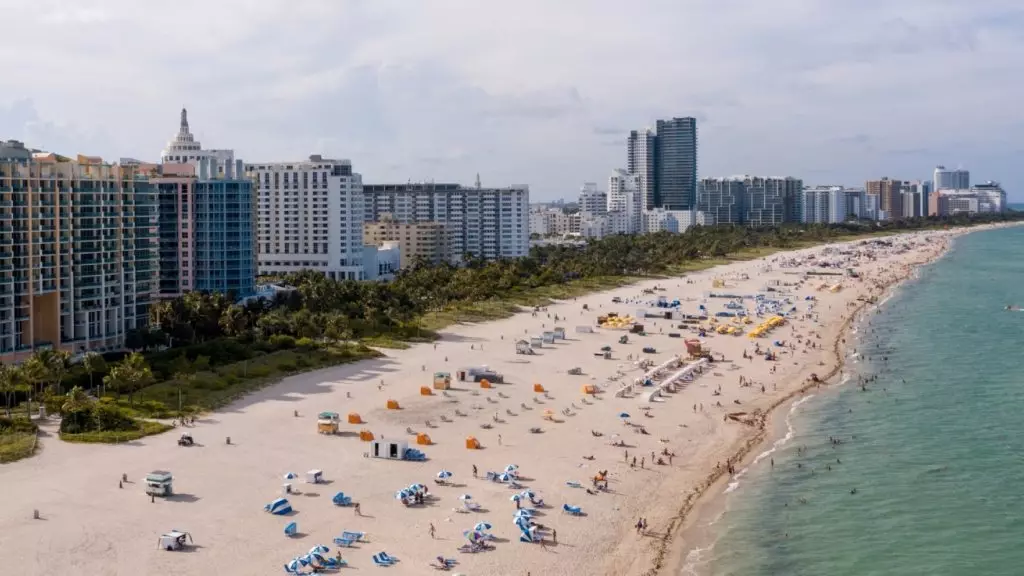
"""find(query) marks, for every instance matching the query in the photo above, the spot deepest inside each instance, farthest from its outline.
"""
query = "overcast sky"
(538, 92)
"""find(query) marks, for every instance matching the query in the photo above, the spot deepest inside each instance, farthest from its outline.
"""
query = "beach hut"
(538, 388)
(588, 389)
(472, 443)
(442, 380)
(536, 342)
(392, 404)
(174, 540)
(426, 391)
(159, 483)
(314, 476)
(423, 440)
(388, 449)
(584, 330)
(366, 436)
(354, 418)
(523, 347)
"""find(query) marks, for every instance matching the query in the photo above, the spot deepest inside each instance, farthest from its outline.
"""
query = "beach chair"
(492, 476)
(343, 542)
(353, 536)
(332, 563)
(574, 510)
(291, 529)
(379, 561)
(389, 559)
(539, 502)
(340, 499)
(573, 484)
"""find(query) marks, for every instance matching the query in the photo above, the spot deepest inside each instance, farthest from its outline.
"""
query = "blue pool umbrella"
(482, 526)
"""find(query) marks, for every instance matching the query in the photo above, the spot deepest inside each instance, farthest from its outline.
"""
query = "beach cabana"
(472, 443)
(392, 404)
(314, 476)
(559, 333)
(327, 422)
(366, 436)
(423, 440)
(354, 418)
(588, 389)
(485, 383)
(538, 388)
(426, 391)
(340, 499)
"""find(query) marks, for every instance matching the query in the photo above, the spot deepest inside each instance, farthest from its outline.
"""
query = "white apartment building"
(640, 152)
(624, 197)
(486, 222)
(553, 222)
(823, 205)
(674, 221)
(310, 217)
(593, 202)
(185, 149)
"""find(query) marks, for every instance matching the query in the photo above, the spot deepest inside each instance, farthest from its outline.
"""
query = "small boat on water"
(1013, 308)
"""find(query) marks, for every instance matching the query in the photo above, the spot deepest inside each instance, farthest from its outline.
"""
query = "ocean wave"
(694, 559)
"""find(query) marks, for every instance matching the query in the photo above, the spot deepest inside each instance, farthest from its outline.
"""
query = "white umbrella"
(319, 549)
(511, 467)
(444, 474)
(465, 497)
(516, 498)
(528, 494)
(482, 526)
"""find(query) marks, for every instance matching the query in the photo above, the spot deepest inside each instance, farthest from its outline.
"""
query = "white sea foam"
(695, 559)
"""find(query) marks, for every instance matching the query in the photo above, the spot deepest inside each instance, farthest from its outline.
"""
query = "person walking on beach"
(474, 470)
(554, 536)
(355, 507)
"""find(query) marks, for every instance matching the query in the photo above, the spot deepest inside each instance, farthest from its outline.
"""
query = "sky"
(535, 92)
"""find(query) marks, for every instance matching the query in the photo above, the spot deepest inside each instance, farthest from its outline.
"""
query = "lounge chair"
(573, 484)
(291, 529)
(353, 536)
(380, 561)
(574, 510)
(344, 542)
(332, 563)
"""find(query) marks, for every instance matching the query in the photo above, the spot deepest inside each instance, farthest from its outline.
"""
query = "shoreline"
(673, 555)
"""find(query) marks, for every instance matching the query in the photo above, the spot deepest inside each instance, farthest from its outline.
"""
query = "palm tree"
(186, 372)
(57, 364)
(10, 380)
(94, 363)
(136, 374)
(75, 400)
(115, 379)
(35, 373)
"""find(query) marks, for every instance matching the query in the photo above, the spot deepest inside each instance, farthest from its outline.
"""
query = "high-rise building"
(723, 200)
(824, 205)
(417, 241)
(624, 197)
(78, 253)
(310, 217)
(942, 178)
(890, 196)
(771, 201)
(961, 179)
(207, 219)
(640, 161)
(593, 202)
(856, 204)
(487, 223)
(676, 164)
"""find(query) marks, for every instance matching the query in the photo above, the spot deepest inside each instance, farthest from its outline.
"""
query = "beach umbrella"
(465, 497)
(290, 476)
(516, 498)
(295, 565)
(303, 560)
(444, 475)
(528, 494)
(506, 477)
(317, 559)
(401, 494)
(473, 535)
(482, 526)
(623, 414)
(522, 514)
(511, 467)
(319, 549)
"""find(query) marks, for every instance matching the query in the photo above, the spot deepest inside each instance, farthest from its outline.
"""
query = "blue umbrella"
(465, 497)
(528, 494)
(482, 526)
(516, 498)
(401, 494)
(623, 415)
(511, 468)
(290, 476)
(444, 475)
(506, 477)
(319, 549)
(295, 565)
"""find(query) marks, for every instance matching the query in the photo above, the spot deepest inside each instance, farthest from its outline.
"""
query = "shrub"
(22, 425)
(307, 344)
(286, 366)
(282, 342)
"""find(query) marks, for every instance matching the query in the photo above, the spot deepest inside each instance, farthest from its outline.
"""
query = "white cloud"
(527, 91)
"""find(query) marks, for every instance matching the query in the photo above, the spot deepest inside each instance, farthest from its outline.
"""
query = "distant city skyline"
(802, 88)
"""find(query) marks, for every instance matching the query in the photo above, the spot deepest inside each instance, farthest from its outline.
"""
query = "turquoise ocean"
(928, 475)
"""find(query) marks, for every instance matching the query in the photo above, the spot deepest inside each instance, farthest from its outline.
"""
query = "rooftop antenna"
(478, 180)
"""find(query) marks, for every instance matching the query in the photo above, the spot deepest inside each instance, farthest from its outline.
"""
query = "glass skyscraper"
(676, 164)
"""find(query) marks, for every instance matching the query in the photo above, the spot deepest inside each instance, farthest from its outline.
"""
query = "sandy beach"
(91, 526)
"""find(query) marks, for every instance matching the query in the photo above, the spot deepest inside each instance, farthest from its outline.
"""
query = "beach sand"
(90, 526)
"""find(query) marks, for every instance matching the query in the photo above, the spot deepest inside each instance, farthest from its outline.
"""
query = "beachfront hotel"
(310, 217)
(487, 223)
(78, 252)
(207, 219)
